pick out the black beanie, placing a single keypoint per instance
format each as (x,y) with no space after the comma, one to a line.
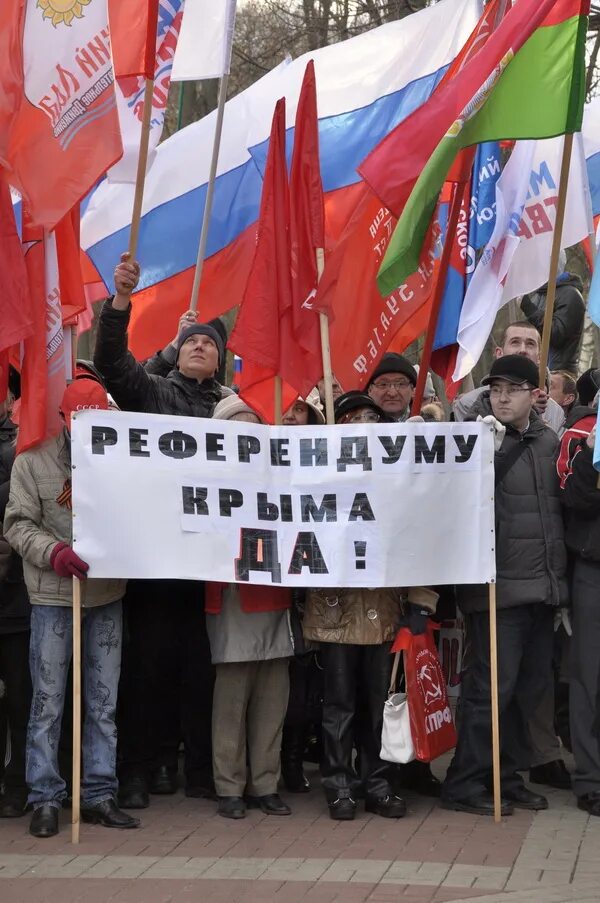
(394,363)
(202,329)
(588,385)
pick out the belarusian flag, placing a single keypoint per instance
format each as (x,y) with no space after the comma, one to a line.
(528,81)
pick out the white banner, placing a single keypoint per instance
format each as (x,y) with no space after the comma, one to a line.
(357,505)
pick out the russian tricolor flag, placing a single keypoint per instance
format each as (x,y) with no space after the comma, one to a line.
(366,86)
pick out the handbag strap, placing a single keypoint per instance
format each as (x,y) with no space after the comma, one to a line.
(392,688)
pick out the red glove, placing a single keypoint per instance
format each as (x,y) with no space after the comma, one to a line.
(66,563)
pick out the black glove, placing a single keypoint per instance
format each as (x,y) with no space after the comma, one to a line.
(415,618)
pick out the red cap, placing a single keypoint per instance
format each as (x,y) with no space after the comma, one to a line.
(83,395)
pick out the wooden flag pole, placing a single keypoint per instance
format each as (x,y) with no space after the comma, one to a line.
(438,294)
(278,402)
(325,347)
(495,706)
(141,169)
(76,786)
(210,190)
(74,340)
(556,242)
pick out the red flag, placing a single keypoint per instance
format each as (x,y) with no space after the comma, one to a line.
(361,333)
(11,75)
(256,336)
(133,25)
(300,329)
(16,318)
(43,374)
(64,129)
(72,294)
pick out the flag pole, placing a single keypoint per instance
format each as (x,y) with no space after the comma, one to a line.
(76,782)
(495,705)
(556,243)
(210,190)
(325,346)
(278,401)
(140,178)
(438,294)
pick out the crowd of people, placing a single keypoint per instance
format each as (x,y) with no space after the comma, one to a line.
(250,682)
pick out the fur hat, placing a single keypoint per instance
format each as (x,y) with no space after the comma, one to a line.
(351,401)
(231,405)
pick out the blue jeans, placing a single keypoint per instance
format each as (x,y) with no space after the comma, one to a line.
(50,652)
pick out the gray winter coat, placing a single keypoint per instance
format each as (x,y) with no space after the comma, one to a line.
(531,557)
(34,523)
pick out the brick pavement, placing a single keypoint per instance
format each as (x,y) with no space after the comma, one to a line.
(185,852)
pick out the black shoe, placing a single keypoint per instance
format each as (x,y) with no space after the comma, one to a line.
(133,793)
(418,777)
(552,774)
(12,804)
(590,802)
(292,751)
(204,791)
(108,814)
(231,807)
(164,781)
(386,806)
(271,804)
(480,804)
(342,808)
(294,779)
(522,798)
(44,821)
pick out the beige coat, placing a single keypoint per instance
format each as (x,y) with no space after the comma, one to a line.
(34,523)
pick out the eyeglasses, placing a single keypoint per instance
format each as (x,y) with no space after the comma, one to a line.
(367,417)
(497,391)
(396,384)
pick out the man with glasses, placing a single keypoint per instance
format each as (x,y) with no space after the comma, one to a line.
(392,386)
(531,584)
(518,338)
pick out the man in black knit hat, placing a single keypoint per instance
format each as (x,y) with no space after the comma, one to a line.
(392,385)
(167,678)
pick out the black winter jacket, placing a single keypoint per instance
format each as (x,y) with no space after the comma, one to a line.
(15,610)
(530,550)
(8,442)
(133,388)
(579,485)
(567,321)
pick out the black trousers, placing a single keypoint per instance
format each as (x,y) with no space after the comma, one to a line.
(525,640)
(356,681)
(165,693)
(14,671)
(585,676)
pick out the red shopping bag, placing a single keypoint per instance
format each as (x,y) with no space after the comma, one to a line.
(431,722)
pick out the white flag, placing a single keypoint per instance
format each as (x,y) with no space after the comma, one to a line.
(204,48)
(516,259)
